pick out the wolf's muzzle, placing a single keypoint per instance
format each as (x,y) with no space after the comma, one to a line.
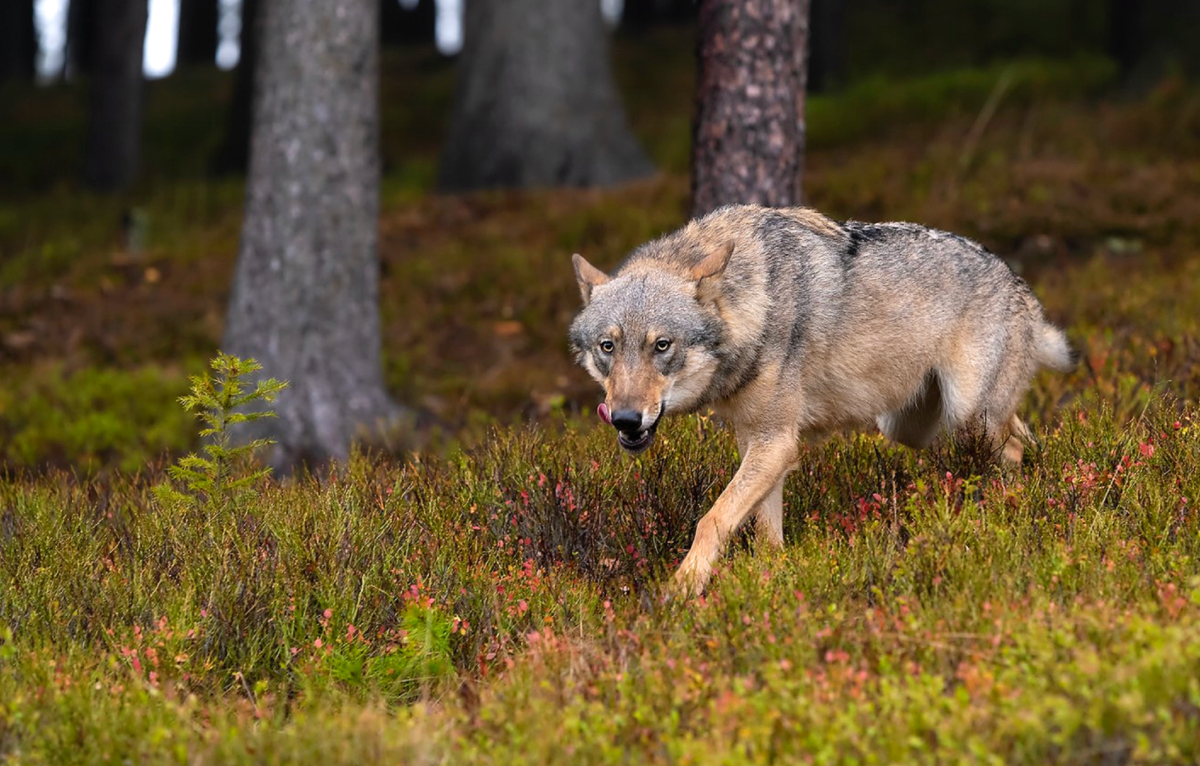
(630,434)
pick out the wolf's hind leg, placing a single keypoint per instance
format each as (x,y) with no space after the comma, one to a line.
(1018,436)
(917,423)
(768,517)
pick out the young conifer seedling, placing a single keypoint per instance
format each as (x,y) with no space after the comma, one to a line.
(212,479)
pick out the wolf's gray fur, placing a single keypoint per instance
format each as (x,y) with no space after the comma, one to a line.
(791,325)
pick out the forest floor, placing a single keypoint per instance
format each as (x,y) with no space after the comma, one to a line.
(493,594)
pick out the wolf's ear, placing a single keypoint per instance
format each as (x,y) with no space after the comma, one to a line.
(708,271)
(589,277)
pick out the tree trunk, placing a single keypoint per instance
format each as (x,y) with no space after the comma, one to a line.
(643,14)
(234,154)
(305,299)
(536,104)
(390,14)
(402,25)
(1149,38)
(197,32)
(83,34)
(18,40)
(1125,38)
(749,128)
(114,131)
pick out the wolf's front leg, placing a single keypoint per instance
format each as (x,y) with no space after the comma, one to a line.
(763,467)
(768,518)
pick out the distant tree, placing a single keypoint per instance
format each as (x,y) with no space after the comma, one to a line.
(536,104)
(827,49)
(1125,37)
(18,40)
(197,32)
(83,30)
(114,125)
(1147,37)
(748,143)
(305,298)
(407,23)
(234,154)
(641,14)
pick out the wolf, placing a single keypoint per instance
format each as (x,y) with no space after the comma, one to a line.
(789,326)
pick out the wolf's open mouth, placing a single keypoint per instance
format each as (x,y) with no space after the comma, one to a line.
(636,441)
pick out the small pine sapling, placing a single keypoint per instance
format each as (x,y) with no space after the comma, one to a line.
(212,479)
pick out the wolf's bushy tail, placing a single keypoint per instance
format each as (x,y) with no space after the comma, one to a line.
(1054,351)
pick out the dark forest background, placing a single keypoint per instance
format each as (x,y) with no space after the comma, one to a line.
(124,204)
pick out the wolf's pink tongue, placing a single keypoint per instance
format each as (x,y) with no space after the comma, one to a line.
(602,411)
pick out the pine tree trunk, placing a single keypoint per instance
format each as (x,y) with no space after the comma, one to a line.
(748,142)
(305,299)
(536,104)
(234,154)
(18,40)
(114,131)
(197,32)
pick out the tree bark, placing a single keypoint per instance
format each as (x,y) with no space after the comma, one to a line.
(305,299)
(114,131)
(234,154)
(748,131)
(197,32)
(18,40)
(536,104)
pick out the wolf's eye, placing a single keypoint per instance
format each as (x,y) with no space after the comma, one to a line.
(662,345)
(607,346)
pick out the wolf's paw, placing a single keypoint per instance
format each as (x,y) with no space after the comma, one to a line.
(687,583)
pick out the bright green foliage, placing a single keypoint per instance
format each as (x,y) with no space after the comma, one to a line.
(212,481)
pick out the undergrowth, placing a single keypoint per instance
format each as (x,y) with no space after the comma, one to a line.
(922,609)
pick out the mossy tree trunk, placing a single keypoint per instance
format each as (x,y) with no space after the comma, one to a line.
(305,299)
(748,142)
(114,130)
(536,104)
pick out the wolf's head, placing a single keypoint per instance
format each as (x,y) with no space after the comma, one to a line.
(650,335)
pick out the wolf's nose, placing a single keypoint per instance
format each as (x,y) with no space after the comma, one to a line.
(627,420)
